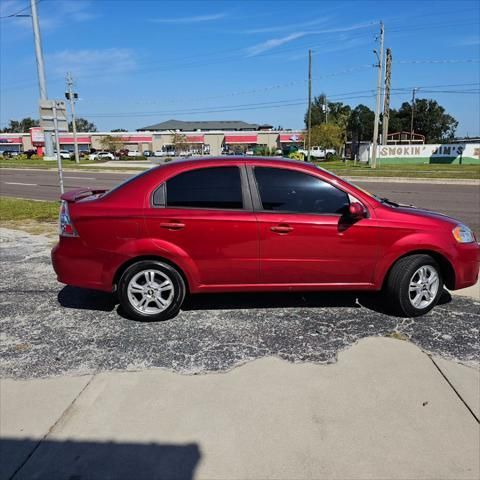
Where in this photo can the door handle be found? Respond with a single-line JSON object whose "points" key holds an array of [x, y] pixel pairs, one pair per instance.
{"points": [[281, 229], [173, 225]]}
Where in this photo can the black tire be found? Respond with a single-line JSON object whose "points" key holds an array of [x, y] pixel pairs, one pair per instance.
{"points": [[328, 156], [163, 270], [398, 282]]}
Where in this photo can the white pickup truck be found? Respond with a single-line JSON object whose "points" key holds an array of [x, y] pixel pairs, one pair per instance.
{"points": [[318, 153]]}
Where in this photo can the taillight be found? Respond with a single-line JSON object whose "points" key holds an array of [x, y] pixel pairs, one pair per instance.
{"points": [[65, 225]]}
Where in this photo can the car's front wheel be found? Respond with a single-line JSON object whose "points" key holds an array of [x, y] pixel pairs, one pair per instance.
{"points": [[414, 285], [151, 290]]}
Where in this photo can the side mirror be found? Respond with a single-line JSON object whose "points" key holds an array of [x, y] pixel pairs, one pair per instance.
{"points": [[357, 211]]}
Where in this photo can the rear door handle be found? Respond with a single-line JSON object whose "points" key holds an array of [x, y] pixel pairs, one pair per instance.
{"points": [[281, 229], [172, 225]]}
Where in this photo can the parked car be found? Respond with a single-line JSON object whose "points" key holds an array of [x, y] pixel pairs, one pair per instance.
{"points": [[255, 224], [147, 153], [101, 156], [10, 153], [122, 153], [134, 153], [64, 154], [163, 153], [318, 153]]}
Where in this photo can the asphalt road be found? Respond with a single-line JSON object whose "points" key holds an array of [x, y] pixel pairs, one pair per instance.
{"points": [[459, 201], [49, 329]]}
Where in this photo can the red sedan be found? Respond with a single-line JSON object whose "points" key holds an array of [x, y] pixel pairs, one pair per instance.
{"points": [[255, 224]]}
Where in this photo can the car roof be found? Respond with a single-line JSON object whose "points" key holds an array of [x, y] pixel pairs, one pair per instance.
{"points": [[243, 159]]}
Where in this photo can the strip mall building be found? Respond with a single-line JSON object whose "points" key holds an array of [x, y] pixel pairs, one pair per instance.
{"points": [[209, 137]]}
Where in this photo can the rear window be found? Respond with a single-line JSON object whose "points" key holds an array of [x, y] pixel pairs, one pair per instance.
{"points": [[131, 179], [216, 187]]}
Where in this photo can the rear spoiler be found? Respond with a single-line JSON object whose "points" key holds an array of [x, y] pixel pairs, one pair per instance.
{"points": [[79, 193]]}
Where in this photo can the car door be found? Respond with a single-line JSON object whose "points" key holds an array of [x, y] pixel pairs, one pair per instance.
{"points": [[306, 237], [207, 214]]}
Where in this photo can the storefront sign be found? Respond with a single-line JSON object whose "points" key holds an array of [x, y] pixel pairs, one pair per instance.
{"points": [[449, 150], [37, 137]]}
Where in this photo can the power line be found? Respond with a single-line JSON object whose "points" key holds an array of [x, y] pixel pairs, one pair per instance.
{"points": [[16, 13], [259, 106], [19, 11]]}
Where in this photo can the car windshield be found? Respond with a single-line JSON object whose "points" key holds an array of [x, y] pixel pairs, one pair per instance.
{"points": [[353, 185]]}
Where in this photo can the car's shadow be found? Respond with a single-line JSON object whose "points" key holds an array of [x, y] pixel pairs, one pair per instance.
{"points": [[83, 299]]}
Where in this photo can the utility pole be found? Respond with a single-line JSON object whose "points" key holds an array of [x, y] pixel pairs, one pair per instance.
{"points": [[414, 91], [325, 107], [386, 100], [71, 96], [379, 95], [57, 142], [309, 104], [42, 84]]}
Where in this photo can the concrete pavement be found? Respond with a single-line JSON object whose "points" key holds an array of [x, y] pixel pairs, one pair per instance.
{"points": [[383, 411]]}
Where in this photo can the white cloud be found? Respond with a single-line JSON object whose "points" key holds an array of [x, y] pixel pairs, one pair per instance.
{"points": [[350, 28], [92, 62], [192, 19], [281, 28], [273, 43]]}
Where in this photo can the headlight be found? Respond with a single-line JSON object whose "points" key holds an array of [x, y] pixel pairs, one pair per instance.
{"points": [[463, 234]]}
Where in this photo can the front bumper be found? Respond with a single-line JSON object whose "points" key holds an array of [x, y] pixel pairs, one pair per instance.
{"points": [[466, 265]]}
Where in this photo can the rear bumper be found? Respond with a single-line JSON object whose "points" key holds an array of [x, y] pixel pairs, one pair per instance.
{"points": [[81, 266], [466, 265]]}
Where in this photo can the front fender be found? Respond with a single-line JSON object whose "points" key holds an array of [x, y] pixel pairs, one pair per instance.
{"points": [[410, 244]]}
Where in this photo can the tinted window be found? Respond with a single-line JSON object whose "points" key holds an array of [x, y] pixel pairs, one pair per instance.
{"points": [[218, 187], [291, 191]]}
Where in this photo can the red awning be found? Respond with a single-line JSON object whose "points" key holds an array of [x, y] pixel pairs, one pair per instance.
{"points": [[69, 140], [291, 137], [11, 140], [240, 138], [195, 138], [136, 139]]}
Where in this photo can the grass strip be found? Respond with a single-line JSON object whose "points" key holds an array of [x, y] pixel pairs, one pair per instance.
{"points": [[14, 209]]}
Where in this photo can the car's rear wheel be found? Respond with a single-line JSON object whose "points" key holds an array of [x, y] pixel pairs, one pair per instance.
{"points": [[151, 290], [414, 285]]}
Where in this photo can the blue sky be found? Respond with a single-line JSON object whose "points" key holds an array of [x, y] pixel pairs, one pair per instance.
{"points": [[136, 63]]}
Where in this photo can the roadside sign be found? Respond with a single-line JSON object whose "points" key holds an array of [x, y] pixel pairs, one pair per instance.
{"points": [[48, 108], [37, 136]]}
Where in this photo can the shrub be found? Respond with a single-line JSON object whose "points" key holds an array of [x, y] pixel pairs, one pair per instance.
{"points": [[296, 156]]}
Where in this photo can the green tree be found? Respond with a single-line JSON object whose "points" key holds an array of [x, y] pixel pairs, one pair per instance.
{"points": [[328, 135], [360, 124], [430, 119], [179, 141], [21, 126], [318, 111], [83, 125], [111, 143], [119, 130]]}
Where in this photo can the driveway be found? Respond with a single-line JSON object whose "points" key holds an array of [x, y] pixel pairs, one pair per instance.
{"points": [[48, 329]]}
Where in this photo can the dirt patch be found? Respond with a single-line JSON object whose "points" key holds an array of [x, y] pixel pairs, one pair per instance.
{"points": [[47, 229]]}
